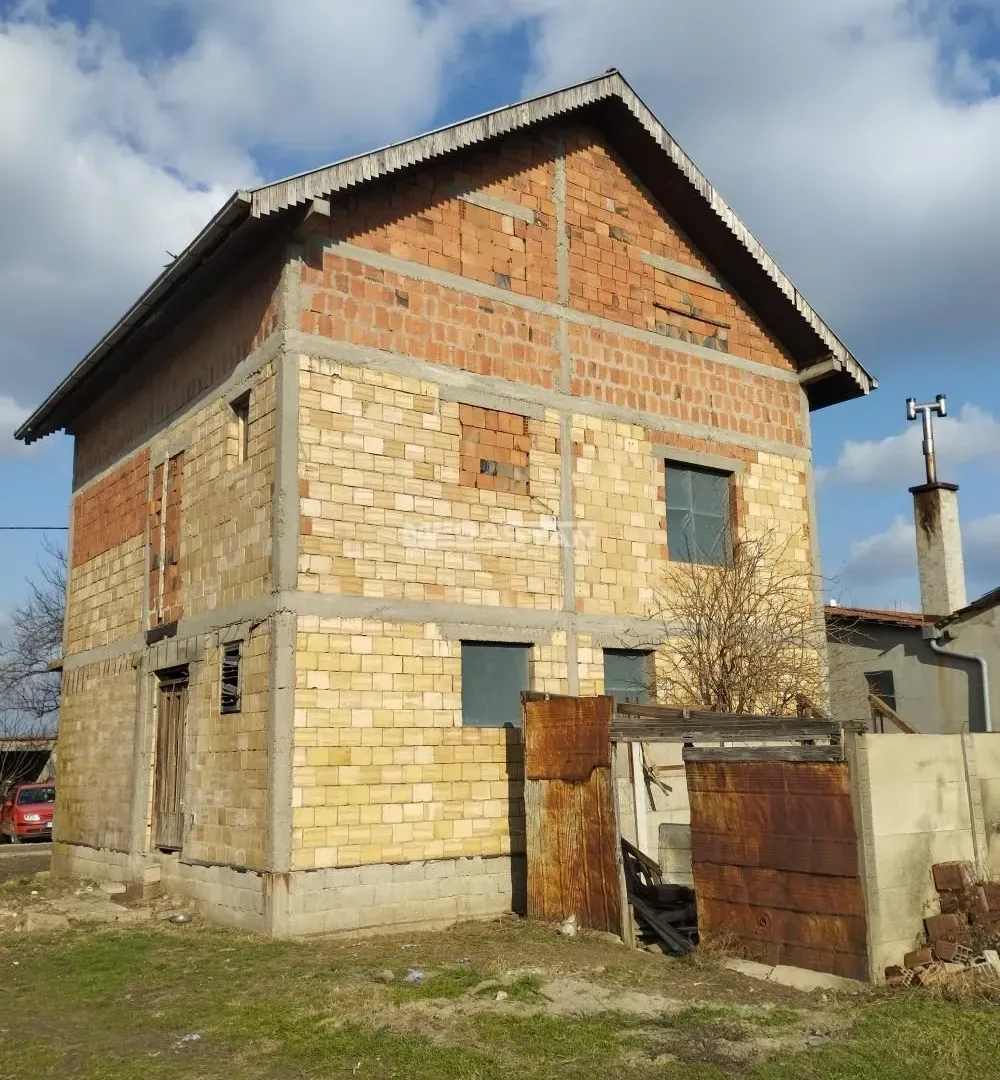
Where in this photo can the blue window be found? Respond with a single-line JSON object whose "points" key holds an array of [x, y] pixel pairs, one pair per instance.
{"points": [[627, 674], [493, 676], [698, 515]]}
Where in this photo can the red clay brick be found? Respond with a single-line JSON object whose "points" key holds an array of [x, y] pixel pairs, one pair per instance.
{"points": [[110, 511], [945, 927], [953, 876], [918, 957]]}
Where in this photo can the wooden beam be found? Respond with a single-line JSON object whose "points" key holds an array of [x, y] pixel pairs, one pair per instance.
{"points": [[885, 710], [763, 753], [722, 728]]}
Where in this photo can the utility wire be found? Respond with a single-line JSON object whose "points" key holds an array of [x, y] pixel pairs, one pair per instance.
{"points": [[34, 528]]}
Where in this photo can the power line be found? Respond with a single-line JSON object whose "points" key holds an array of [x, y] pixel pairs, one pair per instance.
{"points": [[34, 528]]}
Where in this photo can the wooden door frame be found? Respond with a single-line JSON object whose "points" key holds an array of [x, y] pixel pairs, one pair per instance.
{"points": [[178, 677]]}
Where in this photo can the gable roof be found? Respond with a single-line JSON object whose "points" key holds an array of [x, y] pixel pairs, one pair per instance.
{"points": [[829, 370]]}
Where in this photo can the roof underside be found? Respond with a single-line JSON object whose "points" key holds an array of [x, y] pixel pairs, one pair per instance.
{"points": [[830, 372]]}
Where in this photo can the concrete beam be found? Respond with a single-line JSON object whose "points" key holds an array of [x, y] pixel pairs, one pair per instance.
{"points": [[360, 356], [449, 280], [671, 266]]}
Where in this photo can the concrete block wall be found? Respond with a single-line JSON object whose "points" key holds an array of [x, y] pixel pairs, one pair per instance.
{"points": [[226, 783], [389, 898], [986, 750], [915, 812], [383, 512], [94, 777], [384, 771], [174, 403]]}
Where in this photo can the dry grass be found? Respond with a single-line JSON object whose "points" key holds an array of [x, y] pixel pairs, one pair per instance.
{"points": [[122, 1002]]}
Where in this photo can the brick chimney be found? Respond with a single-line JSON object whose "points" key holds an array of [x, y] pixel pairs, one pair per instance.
{"points": [[935, 515]]}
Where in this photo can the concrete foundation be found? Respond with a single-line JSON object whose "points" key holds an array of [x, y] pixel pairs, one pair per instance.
{"points": [[383, 898]]}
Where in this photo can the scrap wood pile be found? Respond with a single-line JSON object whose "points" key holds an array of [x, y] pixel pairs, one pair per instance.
{"points": [[666, 915], [959, 939]]}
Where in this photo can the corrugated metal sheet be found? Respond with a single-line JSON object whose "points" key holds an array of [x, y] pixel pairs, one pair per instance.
{"points": [[571, 835], [775, 857]]}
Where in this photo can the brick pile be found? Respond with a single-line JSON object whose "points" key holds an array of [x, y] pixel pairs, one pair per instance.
{"points": [[958, 937]]}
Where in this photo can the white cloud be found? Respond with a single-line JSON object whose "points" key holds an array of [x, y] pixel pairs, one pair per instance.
{"points": [[11, 415], [973, 435], [111, 159], [981, 547], [859, 139], [882, 567], [883, 558]]}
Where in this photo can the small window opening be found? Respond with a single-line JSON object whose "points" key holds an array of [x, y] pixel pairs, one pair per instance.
{"points": [[229, 697], [241, 413]]}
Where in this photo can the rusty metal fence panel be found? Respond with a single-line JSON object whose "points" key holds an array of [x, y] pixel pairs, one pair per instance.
{"points": [[571, 834], [775, 859]]}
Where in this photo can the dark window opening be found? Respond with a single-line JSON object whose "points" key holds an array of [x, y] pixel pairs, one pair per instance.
{"points": [[883, 686], [229, 698], [241, 413], [493, 676], [627, 675], [699, 515]]}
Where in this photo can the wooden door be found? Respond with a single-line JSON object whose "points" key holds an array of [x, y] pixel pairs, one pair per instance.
{"points": [[571, 836], [168, 780]]}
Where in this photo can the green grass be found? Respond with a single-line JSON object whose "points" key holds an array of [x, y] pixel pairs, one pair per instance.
{"points": [[450, 983], [93, 1005]]}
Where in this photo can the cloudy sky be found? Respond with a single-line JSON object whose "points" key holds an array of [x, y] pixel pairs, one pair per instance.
{"points": [[860, 140]]}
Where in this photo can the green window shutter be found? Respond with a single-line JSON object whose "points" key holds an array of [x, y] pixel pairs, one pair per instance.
{"points": [[493, 676]]}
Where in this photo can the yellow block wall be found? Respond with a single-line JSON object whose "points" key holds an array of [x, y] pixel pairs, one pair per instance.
{"points": [[383, 770], [94, 762], [226, 784], [382, 510]]}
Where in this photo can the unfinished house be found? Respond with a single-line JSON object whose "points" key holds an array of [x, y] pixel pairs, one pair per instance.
{"points": [[389, 443]]}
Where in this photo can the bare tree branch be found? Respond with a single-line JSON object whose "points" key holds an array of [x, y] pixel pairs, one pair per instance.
{"points": [[746, 637], [29, 690]]}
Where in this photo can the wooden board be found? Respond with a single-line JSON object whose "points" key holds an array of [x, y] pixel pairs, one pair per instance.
{"points": [[571, 833], [775, 859]]}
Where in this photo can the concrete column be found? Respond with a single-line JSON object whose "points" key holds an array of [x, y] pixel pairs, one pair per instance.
{"points": [[939, 548]]}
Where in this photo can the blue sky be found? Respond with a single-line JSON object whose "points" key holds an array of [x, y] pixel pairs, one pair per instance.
{"points": [[859, 140]]}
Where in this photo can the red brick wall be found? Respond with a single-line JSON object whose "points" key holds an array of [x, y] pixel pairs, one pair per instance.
{"points": [[611, 220], [498, 437], [111, 511], [418, 217]]}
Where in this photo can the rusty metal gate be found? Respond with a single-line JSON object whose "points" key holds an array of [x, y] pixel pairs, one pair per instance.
{"points": [[775, 859], [168, 778], [571, 834]]}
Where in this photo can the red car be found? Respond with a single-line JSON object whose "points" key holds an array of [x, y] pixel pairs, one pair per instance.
{"points": [[26, 812]]}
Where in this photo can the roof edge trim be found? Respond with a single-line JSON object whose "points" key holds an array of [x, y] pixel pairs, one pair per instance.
{"points": [[235, 210]]}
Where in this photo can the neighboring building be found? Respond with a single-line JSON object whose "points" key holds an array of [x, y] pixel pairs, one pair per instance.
{"points": [[387, 444], [890, 654], [932, 668]]}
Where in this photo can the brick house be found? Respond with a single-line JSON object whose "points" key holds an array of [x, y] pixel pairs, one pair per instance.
{"points": [[389, 442]]}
